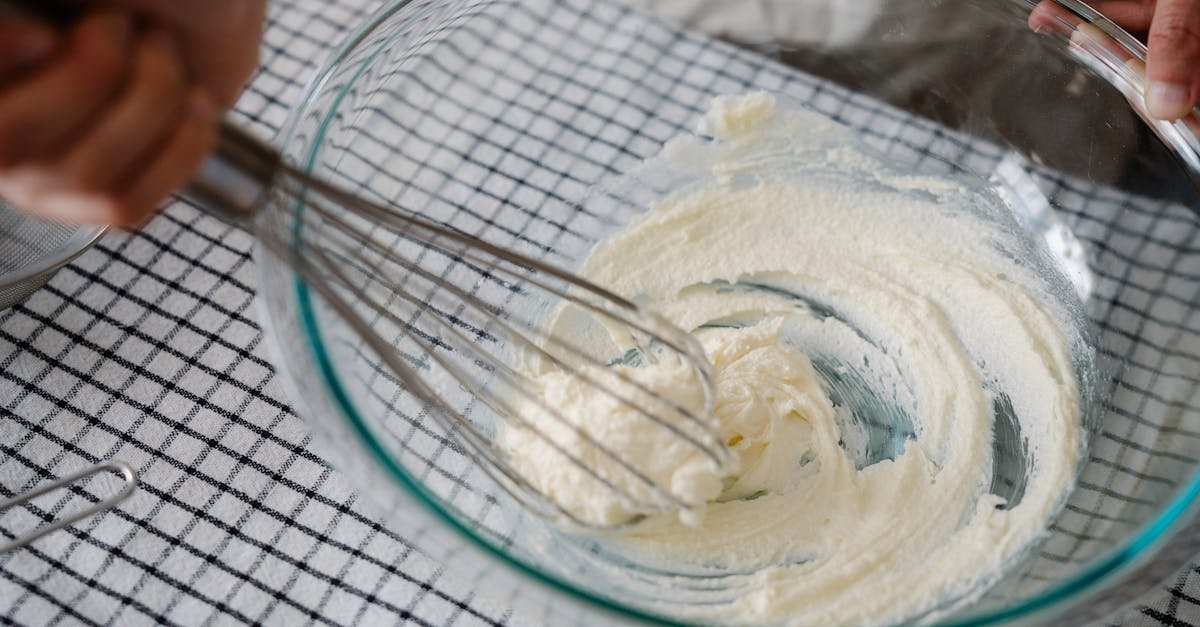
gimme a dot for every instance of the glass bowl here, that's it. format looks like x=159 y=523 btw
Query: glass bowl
x=498 y=116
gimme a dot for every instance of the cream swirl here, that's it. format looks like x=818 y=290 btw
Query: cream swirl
x=869 y=329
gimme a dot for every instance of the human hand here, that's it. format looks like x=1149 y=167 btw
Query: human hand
x=219 y=40
x=100 y=123
x=1171 y=29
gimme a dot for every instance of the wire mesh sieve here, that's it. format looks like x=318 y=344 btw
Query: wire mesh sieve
x=31 y=251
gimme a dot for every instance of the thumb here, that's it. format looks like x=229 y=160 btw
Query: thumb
x=1173 y=61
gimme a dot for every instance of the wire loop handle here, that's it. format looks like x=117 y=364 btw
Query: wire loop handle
x=119 y=467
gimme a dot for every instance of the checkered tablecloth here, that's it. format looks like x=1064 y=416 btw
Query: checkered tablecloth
x=147 y=349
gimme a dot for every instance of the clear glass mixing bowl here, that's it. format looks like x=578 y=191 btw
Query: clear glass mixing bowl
x=497 y=116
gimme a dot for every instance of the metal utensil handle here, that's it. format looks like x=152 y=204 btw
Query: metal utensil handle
x=233 y=184
x=122 y=468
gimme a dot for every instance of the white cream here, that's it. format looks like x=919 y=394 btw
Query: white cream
x=904 y=283
x=587 y=416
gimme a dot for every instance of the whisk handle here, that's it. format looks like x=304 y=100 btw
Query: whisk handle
x=233 y=184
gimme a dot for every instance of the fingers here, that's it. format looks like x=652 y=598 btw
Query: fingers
x=132 y=127
x=1048 y=17
x=187 y=148
x=23 y=44
x=221 y=47
x=194 y=14
x=183 y=150
x=41 y=113
x=1133 y=16
x=1173 y=60
x=1100 y=44
x=138 y=148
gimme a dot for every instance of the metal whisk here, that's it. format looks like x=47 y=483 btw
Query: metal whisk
x=360 y=257
x=447 y=300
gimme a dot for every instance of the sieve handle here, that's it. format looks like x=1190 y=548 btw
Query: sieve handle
x=125 y=470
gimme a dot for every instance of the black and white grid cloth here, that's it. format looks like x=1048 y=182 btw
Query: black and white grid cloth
x=147 y=349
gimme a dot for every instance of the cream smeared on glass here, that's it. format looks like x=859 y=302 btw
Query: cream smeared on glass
x=869 y=329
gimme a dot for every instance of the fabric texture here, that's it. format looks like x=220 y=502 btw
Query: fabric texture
x=148 y=349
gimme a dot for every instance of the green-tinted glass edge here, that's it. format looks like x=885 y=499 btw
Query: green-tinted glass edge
x=1090 y=577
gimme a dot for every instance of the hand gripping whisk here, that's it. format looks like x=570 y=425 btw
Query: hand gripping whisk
x=458 y=308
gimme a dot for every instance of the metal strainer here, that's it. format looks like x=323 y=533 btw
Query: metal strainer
x=31 y=251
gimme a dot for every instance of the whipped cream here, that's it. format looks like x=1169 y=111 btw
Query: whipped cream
x=873 y=333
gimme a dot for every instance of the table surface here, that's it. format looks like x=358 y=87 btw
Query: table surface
x=148 y=349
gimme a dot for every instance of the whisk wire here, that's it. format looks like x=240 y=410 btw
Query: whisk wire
x=315 y=226
x=524 y=341
x=665 y=332
x=715 y=450
x=512 y=378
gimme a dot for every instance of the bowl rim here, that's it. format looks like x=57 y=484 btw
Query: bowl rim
x=1103 y=569
x=80 y=241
